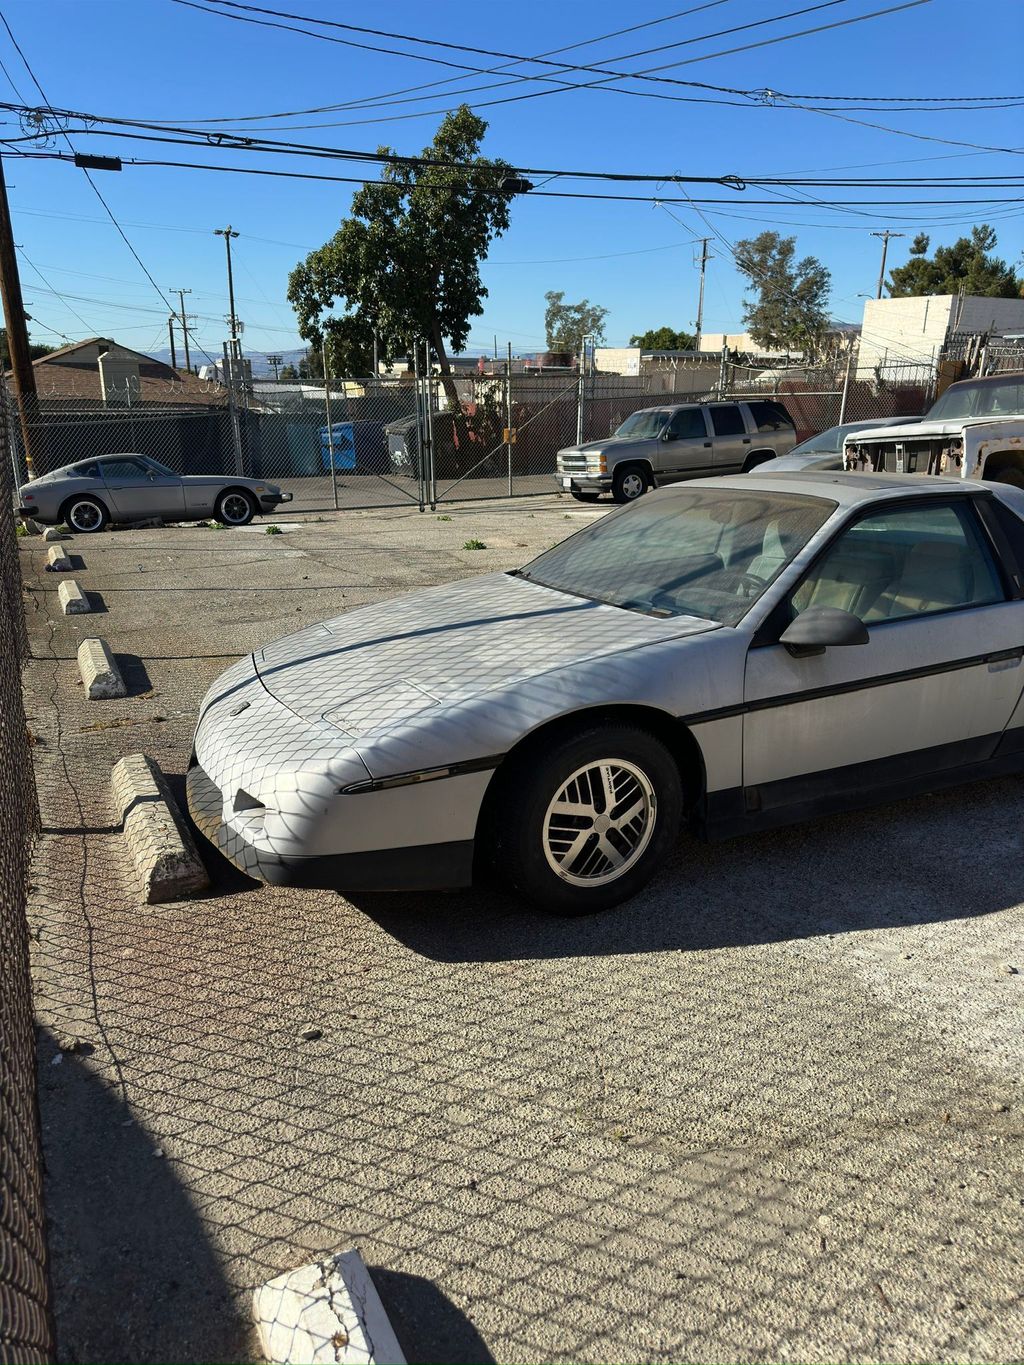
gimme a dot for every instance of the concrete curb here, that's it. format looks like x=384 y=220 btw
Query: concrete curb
x=329 y=1312
x=54 y=533
x=161 y=848
x=73 y=600
x=57 y=558
x=100 y=673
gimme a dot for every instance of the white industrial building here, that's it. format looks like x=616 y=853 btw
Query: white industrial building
x=913 y=331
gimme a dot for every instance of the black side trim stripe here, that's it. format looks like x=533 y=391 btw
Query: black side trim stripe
x=473 y=765
x=855 y=685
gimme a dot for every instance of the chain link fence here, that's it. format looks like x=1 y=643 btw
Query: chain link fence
x=25 y=1332
x=425 y=438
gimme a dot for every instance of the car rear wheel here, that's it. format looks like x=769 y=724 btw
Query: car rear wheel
x=235 y=508
x=84 y=515
x=629 y=483
x=587 y=825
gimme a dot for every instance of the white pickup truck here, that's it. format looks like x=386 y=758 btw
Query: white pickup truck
x=974 y=431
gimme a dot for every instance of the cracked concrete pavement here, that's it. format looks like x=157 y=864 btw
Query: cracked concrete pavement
x=770 y=1110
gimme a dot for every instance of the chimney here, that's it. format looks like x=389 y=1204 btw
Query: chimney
x=120 y=384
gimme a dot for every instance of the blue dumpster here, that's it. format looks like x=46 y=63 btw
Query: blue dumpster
x=343 y=438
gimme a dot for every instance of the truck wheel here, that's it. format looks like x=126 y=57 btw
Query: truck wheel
x=584 y=497
x=629 y=483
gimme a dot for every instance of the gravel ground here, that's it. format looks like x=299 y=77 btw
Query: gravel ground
x=770 y=1110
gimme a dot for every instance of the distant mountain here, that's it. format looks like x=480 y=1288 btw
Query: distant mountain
x=258 y=358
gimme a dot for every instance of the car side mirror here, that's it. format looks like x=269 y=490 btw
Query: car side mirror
x=821 y=628
x=668 y=435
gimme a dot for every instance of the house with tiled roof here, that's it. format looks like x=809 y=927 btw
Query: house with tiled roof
x=100 y=372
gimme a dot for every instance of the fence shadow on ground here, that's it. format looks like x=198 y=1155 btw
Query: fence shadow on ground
x=123 y=1220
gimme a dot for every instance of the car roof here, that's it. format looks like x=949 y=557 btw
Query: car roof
x=845 y=489
x=1004 y=377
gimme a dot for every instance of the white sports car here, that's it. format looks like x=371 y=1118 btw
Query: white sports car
x=739 y=652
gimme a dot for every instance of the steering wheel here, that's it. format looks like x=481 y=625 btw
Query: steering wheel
x=748 y=585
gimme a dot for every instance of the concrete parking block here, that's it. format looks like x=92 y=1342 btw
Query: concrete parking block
x=328 y=1312
x=99 y=670
x=57 y=559
x=73 y=600
x=54 y=533
x=162 y=851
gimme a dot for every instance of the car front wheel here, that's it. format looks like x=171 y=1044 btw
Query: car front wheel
x=629 y=484
x=84 y=515
x=587 y=825
x=580 y=496
x=235 y=508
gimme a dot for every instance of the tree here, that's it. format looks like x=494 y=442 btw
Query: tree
x=965 y=265
x=664 y=339
x=35 y=349
x=406 y=263
x=289 y=372
x=789 y=308
x=566 y=324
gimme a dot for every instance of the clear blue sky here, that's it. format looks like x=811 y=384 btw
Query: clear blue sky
x=153 y=59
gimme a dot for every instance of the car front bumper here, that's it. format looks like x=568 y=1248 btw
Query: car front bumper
x=422 y=867
x=585 y=483
x=268 y=501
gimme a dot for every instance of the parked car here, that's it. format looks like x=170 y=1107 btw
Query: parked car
x=89 y=494
x=676 y=441
x=975 y=430
x=825 y=451
x=742 y=652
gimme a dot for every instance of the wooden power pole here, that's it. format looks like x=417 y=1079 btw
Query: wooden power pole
x=17 y=333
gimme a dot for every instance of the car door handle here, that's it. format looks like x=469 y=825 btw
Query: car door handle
x=746 y=440
x=708 y=444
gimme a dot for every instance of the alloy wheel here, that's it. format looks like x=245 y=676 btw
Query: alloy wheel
x=235 y=509
x=85 y=516
x=599 y=823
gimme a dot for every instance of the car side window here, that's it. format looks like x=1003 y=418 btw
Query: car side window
x=770 y=417
x=87 y=471
x=727 y=420
x=688 y=424
x=124 y=471
x=903 y=563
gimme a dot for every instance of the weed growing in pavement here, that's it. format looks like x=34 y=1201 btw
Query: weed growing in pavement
x=444 y=518
x=274 y=531
x=217 y=526
x=21 y=529
x=474 y=545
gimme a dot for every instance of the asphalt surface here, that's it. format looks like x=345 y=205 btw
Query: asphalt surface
x=770 y=1110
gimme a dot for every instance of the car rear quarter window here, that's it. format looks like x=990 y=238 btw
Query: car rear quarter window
x=770 y=417
x=728 y=420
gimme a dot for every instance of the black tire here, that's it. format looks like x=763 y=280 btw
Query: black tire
x=1013 y=477
x=526 y=844
x=630 y=482
x=584 y=497
x=84 y=515
x=228 y=509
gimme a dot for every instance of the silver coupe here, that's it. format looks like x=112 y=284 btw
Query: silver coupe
x=737 y=652
x=85 y=496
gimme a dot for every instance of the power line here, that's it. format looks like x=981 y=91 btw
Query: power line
x=95 y=189
x=32 y=266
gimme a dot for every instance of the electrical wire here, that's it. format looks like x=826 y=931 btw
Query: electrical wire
x=95 y=188
x=32 y=266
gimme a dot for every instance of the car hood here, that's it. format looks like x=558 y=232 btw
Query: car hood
x=818 y=459
x=380 y=664
x=922 y=428
x=608 y=443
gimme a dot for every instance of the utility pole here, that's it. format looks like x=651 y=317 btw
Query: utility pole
x=885 y=251
x=275 y=362
x=17 y=333
x=170 y=334
x=704 y=258
x=184 y=323
x=227 y=233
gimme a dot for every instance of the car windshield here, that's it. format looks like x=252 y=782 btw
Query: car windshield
x=640 y=426
x=707 y=552
x=825 y=441
x=1003 y=398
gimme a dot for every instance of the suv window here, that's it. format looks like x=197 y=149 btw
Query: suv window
x=728 y=420
x=903 y=563
x=770 y=417
x=124 y=470
x=687 y=424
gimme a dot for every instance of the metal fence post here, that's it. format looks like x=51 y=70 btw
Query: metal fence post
x=330 y=429
x=431 y=466
x=508 y=413
x=420 y=426
x=846 y=384
x=582 y=390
